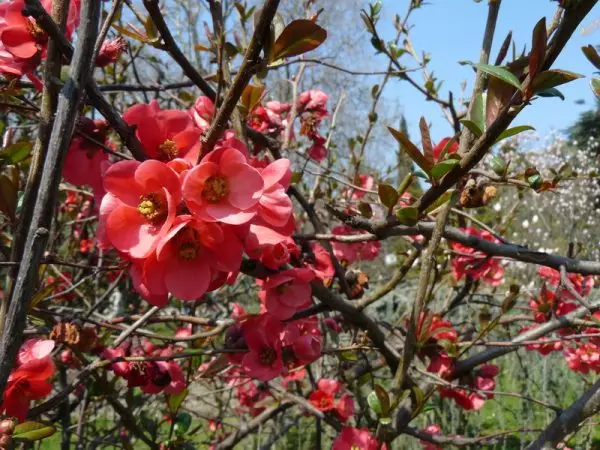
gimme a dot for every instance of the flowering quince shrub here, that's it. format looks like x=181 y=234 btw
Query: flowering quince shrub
x=204 y=249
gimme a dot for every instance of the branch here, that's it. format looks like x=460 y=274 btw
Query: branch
x=585 y=406
x=62 y=131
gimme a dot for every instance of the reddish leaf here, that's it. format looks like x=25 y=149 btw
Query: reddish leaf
x=251 y=97
x=412 y=150
x=8 y=197
x=300 y=36
x=498 y=96
x=538 y=48
x=552 y=78
x=592 y=55
x=426 y=140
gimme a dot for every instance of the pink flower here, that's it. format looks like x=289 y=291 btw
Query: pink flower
x=317 y=150
x=437 y=150
x=287 y=292
x=275 y=206
x=86 y=162
x=262 y=335
x=224 y=188
x=584 y=358
x=313 y=101
x=29 y=379
x=474 y=263
x=434 y=430
x=323 y=266
x=110 y=51
x=187 y=256
x=202 y=112
x=303 y=337
x=351 y=252
x=165 y=134
x=583 y=285
x=364 y=182
x=356 y=439
x=166 y=376
x=140 y=205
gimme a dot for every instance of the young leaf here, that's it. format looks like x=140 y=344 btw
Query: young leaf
x=477 y=113
x=592 y=55
x=513 y=131
x=426 y=140
x=472 y=126
x=498 y=96
x=412 y=150
x=498 y=164
x=300 y=36
x=8 y=197
x=33 y=431
x=504 y=49
x=552 y=92
x=384 y=399
x=408 y=215
x=251 y=97
x=552 y=78
x=595 y=84
x=16 y=152
x=443 y=167
x=538 y=48
x=365 y=210
x=495 y=71
x=388 y=195
x=374 y=403
x=174 y=401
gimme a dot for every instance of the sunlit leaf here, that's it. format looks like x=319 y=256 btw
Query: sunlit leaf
x=408 y=215
x=443 y=167
x=472 y=127
x=514 y=131
x=33 y=431
x=552 y=78
x=538 y=48
x=592 y=55
x=412 y=150
x=496 y=71
x=426 y=140
x=388 y=195
x=299 y=37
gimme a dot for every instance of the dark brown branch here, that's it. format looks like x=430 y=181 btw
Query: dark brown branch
x=62 y=131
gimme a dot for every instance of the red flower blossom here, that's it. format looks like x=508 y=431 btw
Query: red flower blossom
x=351 y=252
x=439 y=148
x=474 y=263
x=29 y=380
x=434 y=430
x=263 y=338
x=140 y=205
x=165 y=134
x=583 y=285
x=287 y=292
x=356 y=439
x=224 y=188
x=110 y=51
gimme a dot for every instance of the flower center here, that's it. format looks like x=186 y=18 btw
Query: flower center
x=188 y=244
x=355 y=447
x=215 y=189
x=267 y=356
x=152 y=208
x=168 y=150
x=36 y=32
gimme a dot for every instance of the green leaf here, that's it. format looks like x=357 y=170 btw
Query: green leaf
x=592 y=55
x=384 y=399
x=513 y=132
x=374 y=403
x=388 y=195
x=477 y=114
x=385 y=420
x=182 y=423
x=411 y=149
x=472 y=126
x=595 y=84
x=408 y=215
x=365 y=210
x=496 y=71
x=440 y=201
x=174 y=401
x=33 y=431
x=552 y=78
x=552 y=92
x=443 y=167
x=498 y=164
x=300 y=36
x=16 y=152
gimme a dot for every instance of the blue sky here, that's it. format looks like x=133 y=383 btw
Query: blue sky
x=452 y=30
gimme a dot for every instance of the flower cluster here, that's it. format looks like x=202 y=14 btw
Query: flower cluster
x=470 y=262
x=270 y=347
x=324 y=399
x=152 y=376
x=29 y=379
x=312 y=108
x=480 y=384
x=23 y=43
x=349 y=253
x=184 y=224
x=356 y=438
